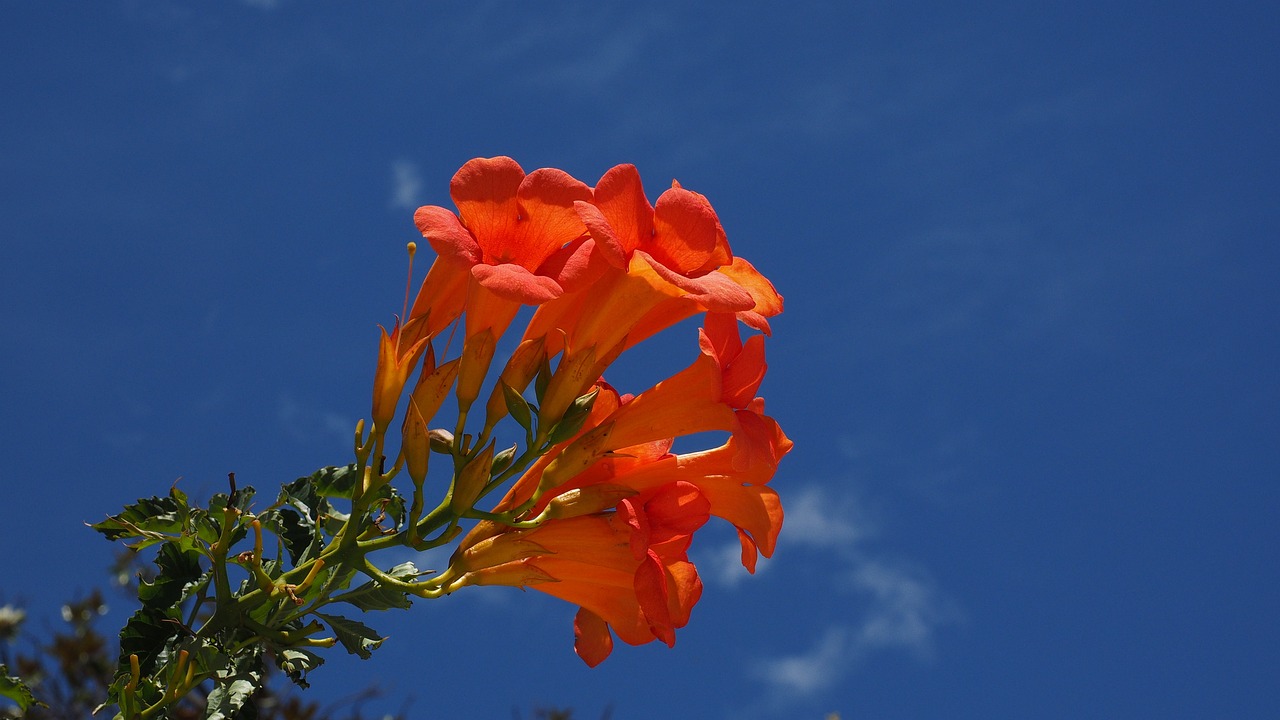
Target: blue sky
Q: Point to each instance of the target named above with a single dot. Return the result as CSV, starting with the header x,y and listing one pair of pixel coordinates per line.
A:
x,y
1029,253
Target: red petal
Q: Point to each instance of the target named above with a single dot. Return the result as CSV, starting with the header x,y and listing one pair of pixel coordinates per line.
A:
x,y
688,237
447,236
620,197
611,246
513,282
591,638
575,265
548,220
484,190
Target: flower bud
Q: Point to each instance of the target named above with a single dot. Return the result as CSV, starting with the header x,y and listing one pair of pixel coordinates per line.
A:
x,y
587,500
470,482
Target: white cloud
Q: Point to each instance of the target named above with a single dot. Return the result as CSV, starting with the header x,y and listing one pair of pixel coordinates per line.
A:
x,y
904,611
723,565
893,606
810,671
406,185
817,520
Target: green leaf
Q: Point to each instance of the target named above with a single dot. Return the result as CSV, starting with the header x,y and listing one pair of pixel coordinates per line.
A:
x,y
234,688
179,576
297,531
356,637
296,663
146,634
335,482
149,518
374,596
13,688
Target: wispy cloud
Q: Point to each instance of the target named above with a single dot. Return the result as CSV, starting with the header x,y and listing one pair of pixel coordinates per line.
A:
x,y
895,607
812,670
406,185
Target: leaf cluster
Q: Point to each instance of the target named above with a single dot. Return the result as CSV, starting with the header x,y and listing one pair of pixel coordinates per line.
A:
x,y
214,613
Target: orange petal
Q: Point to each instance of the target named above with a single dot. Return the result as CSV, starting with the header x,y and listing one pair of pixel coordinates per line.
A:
x,y
446,234
548,220
514,282
628,215
767,300
687,235
591,638
484,189
576,265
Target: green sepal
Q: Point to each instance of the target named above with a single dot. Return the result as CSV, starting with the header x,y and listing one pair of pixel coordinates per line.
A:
x,y
13,688
356,637
542,379
517,406
573,418
502,461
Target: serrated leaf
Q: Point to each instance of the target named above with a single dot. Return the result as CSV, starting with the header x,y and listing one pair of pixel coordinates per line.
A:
x,y
335,482
17,691
225,701
179,576
375,596
356,637
296,530
296,663
234,687
146,634
149,518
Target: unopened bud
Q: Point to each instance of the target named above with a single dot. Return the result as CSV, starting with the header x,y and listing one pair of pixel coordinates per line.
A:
x,y
415,444
477,353
576,457
471,481
516,574
441,441
587,500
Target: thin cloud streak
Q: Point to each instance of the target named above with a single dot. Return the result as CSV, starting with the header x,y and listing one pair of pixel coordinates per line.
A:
x,y
897,607
406,185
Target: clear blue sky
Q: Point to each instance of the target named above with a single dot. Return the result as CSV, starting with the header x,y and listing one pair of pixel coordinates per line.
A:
x,y
1029,358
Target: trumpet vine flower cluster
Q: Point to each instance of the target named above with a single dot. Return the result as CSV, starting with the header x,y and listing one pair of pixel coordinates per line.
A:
x,y
590,503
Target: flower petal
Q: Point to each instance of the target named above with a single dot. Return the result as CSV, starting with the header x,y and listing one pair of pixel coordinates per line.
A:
x,y
513,282
687,235
591,638
484,189
446,234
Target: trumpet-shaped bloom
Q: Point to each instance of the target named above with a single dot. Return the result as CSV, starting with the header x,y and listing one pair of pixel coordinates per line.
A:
x,y
629,569
667,262
517,236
